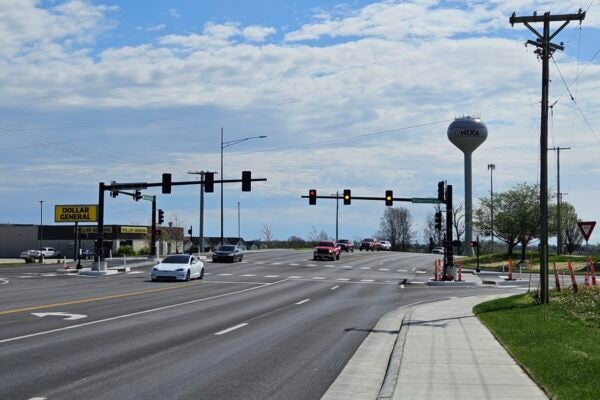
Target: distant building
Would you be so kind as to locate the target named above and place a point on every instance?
(14, 238)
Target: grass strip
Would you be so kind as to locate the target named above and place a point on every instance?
(558, 344)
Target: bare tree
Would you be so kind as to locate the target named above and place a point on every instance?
(175, 232)
(458, 221)
(396, 226)
(431, 235)
(267, 233)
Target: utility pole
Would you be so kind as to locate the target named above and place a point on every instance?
(491, 167)
(545, 49)
(239, 237)
(153, 233)
(558, 199)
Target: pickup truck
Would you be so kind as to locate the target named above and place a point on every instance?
(326, 249)
(345, 245)
(369, 244)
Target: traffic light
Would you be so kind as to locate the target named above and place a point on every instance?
(138, 195)
(209, 182)
(347, 197)
(190, 231)
(161, 216)
(312, 197)
(438, 221)
(389, 197)
(166, 183)
(246, 181)
(441, 195)
(114, 193)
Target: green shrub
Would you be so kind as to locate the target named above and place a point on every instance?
(125, 251)
(144, 251)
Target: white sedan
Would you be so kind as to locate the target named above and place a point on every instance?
(181, 267)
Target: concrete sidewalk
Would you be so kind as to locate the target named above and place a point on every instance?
(442, 351)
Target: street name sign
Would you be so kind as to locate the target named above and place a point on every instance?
(425, 200)
(586, 228)
(147, 197)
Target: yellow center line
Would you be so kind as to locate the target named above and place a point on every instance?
(91, 299)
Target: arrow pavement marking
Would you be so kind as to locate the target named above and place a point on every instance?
(69, 317)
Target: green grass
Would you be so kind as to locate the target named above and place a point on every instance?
(558, 344)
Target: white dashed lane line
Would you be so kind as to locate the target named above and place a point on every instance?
(365, 268)
(383, 269)
(302, 301)
(295, 277)
(402, 270)
(343, 279)
(319, 277)
(225, 274)
(367, 280)
(276, 263)
(311, 265)
(233, 328)
(335, 287)
(248, 275)
(271, 276)
(294, 265)
(421, 272)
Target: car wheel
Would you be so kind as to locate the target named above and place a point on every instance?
(337, 257)
(241, 258)
(153, 279)
(187, 276)
(201, 274)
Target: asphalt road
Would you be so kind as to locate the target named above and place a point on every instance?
(277, 326)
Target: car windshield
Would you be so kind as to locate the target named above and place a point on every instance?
(368, 240)
(325, 244)
(227, 248)
(178, 259)
(343, 241)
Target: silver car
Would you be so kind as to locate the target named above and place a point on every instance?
(181, 267)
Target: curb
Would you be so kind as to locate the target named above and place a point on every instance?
(393, 371)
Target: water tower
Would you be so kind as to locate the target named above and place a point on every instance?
(467, 133)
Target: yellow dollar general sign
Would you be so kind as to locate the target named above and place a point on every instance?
(76, 213)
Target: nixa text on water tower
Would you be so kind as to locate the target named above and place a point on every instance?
(468, 133)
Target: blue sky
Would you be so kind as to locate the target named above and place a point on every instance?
(354, 94)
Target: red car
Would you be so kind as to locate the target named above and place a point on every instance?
(370, 244)
(326, 249)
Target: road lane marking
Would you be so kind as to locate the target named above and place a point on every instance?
(92, 299)
(335, 287)
(271, 276)
(347, 267)
(311, 265)
(383, 269)
(276, 263)
(421, 272)
(225, 274)
(244, 262)
(367, 280)
(294, 277)
(294, 264)
(259, 262)
(365, 268)
(343, 279)
(402, 270)
(233, 328)
(69, 317)
(329, 266)
(302, 301)
(3, 281)
(319, 277)
(248, 275)
(100, 321)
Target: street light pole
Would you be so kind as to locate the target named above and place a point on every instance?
(337, 210)
(239, 237)
(223, 146)
(491, 168)
(41, 223)
(201, 222)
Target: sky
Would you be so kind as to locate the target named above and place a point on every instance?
(351, 95)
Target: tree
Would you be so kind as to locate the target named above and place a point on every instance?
(571, 234)
(458, 221)
(267, 233)
(396, 226)
(516, 216)
(175, 232)
(430, 234)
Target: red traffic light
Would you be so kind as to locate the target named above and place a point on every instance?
(312, 197)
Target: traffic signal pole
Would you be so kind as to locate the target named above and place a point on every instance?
(153, 234)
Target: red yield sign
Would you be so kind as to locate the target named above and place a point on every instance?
(586, 228)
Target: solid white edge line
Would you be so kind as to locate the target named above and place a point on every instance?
(302, 301)
(233, 328)
(13, 339)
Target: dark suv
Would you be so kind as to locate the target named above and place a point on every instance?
(346, 245)
(369, 244)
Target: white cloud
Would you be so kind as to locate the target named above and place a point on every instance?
(258, 33)
(174, 13)
(155, 28)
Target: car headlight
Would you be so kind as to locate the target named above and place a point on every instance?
(230, 255)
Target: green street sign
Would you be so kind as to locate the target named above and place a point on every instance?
(147, 197)
(425, 200)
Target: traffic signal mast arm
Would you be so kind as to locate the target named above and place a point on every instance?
(409, 199)
(143, 185)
